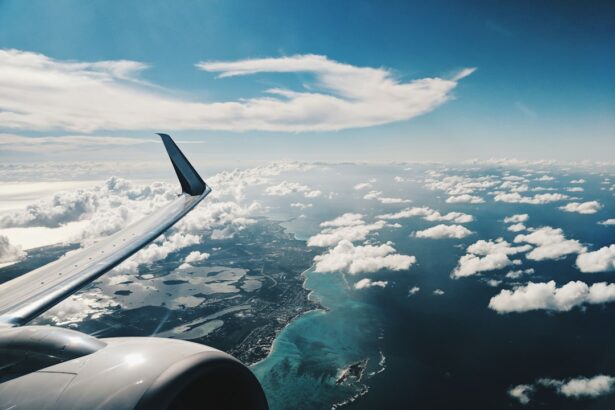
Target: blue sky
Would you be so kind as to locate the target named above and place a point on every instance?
(542, 88)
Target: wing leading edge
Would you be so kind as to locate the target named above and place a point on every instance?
(29, 295)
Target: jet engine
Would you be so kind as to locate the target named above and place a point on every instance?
(45, 367)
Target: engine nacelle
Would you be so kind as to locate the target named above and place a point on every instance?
(120, 373)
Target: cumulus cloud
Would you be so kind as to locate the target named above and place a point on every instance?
(444, 231)
(518, 218)
(583, 386)
(362, 185)
(429, 215)
(157, 251)
(575, 189)
(368, 283)
(438, 292)
(602, 260)
(286, 188)
(464, 199)
(538, 199)
(547, 296)
(458, 185)
(347, 219)
(484, 256)
(516, 227)
(41, 93)
(347, 258)
(377, 195)
(104, 208)
(550, 244)
(590, 207)
(516, 274)
(577, 387)
(300, 205)
(349, 226)
(608, 222)
(9, 253)
(521, 392)
(86, 214)
(414, 290)
(577, 181)
(196, 256)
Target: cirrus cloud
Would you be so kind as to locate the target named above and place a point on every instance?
(38, 92)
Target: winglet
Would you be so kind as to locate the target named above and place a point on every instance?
(190, 180)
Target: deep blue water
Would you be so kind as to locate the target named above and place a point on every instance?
(448, 351)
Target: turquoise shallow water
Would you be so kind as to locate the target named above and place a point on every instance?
(308, 355)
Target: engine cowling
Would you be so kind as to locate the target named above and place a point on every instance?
(122, 373)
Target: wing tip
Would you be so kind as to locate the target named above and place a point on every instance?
(191, 182)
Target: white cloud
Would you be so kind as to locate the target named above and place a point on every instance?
(537, 199)
(577, 181)
(469, 264)
(100, 209)
(429, 215)
(521, 392)
(455, 185)
(608, 222)
(362, 185)
(590, 207)
(349, 226)
(300, 205)
(516, 274)
(377, 195)
(547, 296)
(368, 283)
(550, 244)
(516, 218)
(332, 236)
(583, 386)
(414, 291)
(484, 256)
(347, 258)
(577, 387)
(157, 251)
(575, 189)
(602, 260)
(438, 292)
(64, 143)
(39, 93)
(465, 199)
(196, 256)
(347, 219)
(444, 231)
(9, 253)
(516, 227)
(545, 178)
(286, 188)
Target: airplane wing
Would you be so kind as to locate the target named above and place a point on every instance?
(29, 295)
